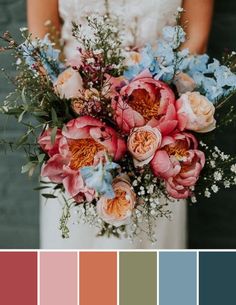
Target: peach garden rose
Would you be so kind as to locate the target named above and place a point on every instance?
(117, 211)
(69, 84)
(143, 143)
(195, 112)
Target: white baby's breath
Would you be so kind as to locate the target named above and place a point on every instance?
(215, 188)
(226, 184)
(207, 193)
(217, 176)
(233, 168)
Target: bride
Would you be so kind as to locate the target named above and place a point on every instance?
(146, 19)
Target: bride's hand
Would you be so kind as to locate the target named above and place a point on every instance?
(197, 23)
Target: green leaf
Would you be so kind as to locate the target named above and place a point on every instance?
(40, 113)
(27, 167)
(21, 116)
(49, 196)
(53, 134)
(22, 140)
(54, 116)
(41, 188)
(41, 157)
(23, 95)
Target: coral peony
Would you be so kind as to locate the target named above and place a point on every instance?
(81, 142)
(141, 100)
(179, 162)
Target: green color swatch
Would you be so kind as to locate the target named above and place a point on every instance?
(138, 278)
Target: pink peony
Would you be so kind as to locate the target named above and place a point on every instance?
(141, 100)
(143, 143)
(46, 144)
(93, 130)
(69, 84)
(195, 112)
(179, 187)
(179, 163)
(118, 211)
(81, 142)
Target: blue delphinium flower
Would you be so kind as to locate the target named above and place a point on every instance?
(198, 63)
(132, 71)
(148, 61)
(212, 79)
(225, 77)
(174, 35)
(162, 62)
(211, 89)
(42, 51)
(99, 177)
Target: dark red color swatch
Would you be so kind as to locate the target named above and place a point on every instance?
(18, 278)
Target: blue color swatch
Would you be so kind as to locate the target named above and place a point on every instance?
(178, 278)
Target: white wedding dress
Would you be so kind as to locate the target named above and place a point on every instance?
(148, 17)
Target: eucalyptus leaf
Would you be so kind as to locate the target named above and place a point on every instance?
(54, 116)
(41, 157)
(23, 95)
(21, 141)
(25, 168)
(41, 188)
(21, 116)
(53, 134)
(49, 196)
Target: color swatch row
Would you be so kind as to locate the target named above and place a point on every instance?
(117, 278)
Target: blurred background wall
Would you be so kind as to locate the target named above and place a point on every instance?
(212, 223)
(19, 225)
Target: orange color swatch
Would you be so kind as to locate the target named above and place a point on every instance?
(98, 278)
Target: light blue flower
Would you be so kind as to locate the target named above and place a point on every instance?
(212, 67)
(174, 35)
(225, 77)
(132, 72)
(165, 53)
(99, 178)
(212, 90)
(198, 63)
(147, 56)
(42, 51)
(147, 62)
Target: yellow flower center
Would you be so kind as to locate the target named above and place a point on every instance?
(142, 103)
(83, 152)
(179, 150)
(118, 206)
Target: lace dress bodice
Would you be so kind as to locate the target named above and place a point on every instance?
(143, 20)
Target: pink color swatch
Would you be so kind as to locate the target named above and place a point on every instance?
(58, 278)
(18, 278)
(98, 278)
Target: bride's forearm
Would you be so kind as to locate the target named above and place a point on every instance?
(38, 12)
(197, 23)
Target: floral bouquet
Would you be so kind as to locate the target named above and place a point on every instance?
(119, 133)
